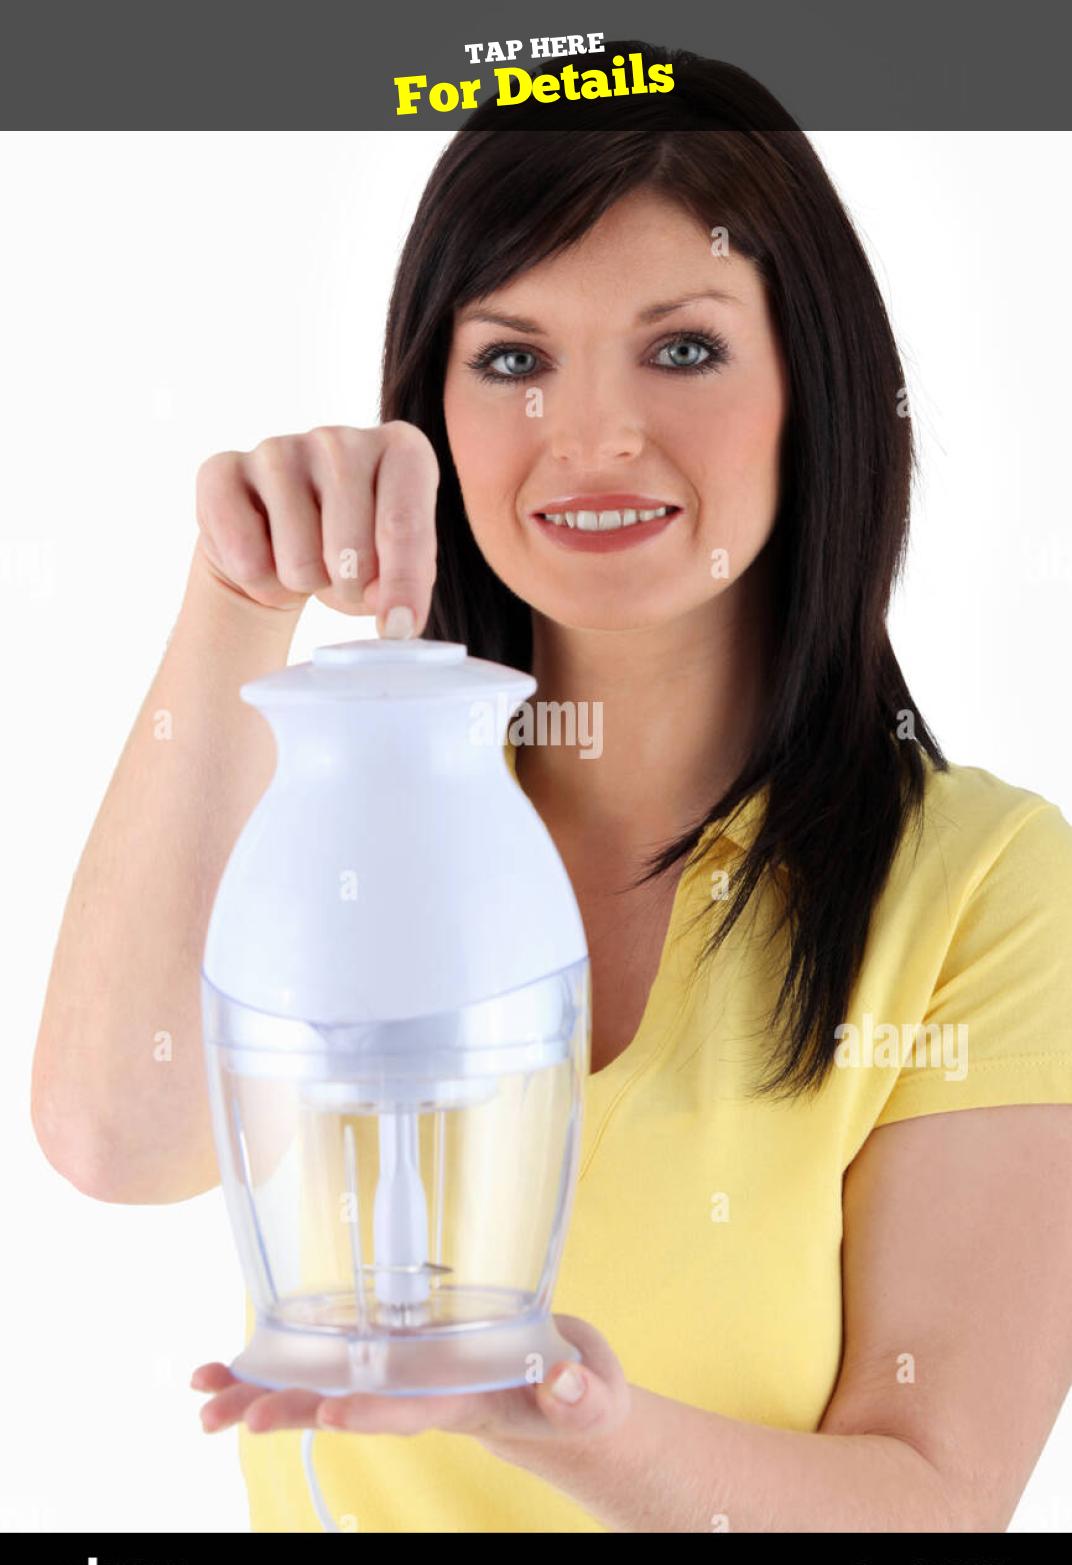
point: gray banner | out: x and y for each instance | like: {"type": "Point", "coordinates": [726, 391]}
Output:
{"type": "Point", "coordinates": [332, 64]}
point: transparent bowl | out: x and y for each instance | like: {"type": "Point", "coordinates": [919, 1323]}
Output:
{"type": "Point", "coordinates": [399, 1192]}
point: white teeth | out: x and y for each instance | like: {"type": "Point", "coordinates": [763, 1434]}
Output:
{"type": "Point", "coordinates": [602, 521]}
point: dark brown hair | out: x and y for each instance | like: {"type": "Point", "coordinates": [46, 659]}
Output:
{"type": "Point", "coordinates": [842, 777]}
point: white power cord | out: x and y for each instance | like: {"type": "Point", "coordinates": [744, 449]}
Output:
{"type": "Point", "coordinates": [319, 1503]}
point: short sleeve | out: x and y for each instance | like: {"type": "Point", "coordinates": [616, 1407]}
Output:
{"type": "Point", "coordinates": [998, 1027]}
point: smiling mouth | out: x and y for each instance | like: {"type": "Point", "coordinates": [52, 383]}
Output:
{"type": "Point", "coordinates": [605, 521]}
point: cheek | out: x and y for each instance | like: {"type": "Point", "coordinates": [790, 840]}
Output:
{"type": "Point", "coordinates": [462, 427]}
{"type": "Point", "coordinates": [738, 477]}
{"type": "Point", "coordinates": [489, 436]}
{"type": "Point", "coordinates": [740, 446]}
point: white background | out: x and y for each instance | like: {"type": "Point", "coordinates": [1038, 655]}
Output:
{"type": "Point", "coordinates": [167, 295]}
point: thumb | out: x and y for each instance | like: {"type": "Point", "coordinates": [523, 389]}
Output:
{"type": "Point", "coordinates": [591, 1395]}
{"type": "Point", "coordinates": [572, 1398]}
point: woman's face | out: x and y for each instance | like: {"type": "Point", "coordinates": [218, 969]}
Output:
{"type": "Point", "coordinates": [593, 399]}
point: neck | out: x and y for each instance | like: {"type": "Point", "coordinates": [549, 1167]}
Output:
{"type": "Point", "coordinates": [680, 703]}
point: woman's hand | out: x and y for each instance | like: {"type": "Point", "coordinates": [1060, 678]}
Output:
{"type": "Point", "coordinates": [504, 1421]}
{"type": "Point", "coordinates": [344, 515]}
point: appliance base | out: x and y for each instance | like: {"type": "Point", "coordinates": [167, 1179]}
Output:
{"type": "Point", "coordinates": [486, 1358]}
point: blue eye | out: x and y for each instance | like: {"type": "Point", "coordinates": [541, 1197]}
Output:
{"type": "Point", "coordinates": [484, 361]}
{"type": "Point", "coordinates": [688, 344]}
{"type": "Point", "coordinates": [714, 350]}
{"type": "Point", "coordinates": [515, 354]}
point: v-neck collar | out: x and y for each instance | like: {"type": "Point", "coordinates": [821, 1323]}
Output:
{"type": "Point", "coordinates": [604, 1090]}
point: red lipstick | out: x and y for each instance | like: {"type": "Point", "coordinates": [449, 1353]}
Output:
{"type": "Point", "coordinates": [582, 534]}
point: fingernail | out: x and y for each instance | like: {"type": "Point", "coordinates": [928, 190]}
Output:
{"type": "Point", "coordinates": [569, 1387]}
{"type": "Point", "coordinates": [399, 622]}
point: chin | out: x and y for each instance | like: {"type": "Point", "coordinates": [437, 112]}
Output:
{"type": "Point", "coordinates": [602, 611]}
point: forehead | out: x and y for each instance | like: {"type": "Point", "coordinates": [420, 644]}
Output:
{"type": "Point", "coordinates": [643, 251]}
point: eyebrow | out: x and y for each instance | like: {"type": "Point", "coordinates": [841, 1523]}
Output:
{"type": "Point", "coordinates": [653, 312]}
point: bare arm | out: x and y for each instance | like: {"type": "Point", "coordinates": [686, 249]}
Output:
{"type": "Point", "coordinates": [957, 1267]}
{"type": "Point", "coordinates": [119, 1097]}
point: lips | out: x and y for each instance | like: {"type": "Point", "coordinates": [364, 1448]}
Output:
{"type": "Point", "coordinates": [607, 529]}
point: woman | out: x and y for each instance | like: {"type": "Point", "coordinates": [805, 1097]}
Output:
{"type": "Point", "coordinates": [822, 1237]}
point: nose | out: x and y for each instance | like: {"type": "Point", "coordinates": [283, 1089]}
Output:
{"type": "Point", "coordinates": [588, 421]}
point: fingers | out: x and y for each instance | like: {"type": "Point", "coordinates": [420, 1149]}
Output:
{"type": "Point", "coordinates": [229, 1406]}
{"type": "Point", "coordinates": [262, 1410]}
{"type": "Point", "coordinates": [574, 1401]}
{"type": "Point", "coordinates": [344, 465]}
{"type": "Point", "coordinates": [235, 538]}
{"type": "Point", "coordinates": [596, 1352]}
{"type": "Point", "coordinates": [281, 473]}
{"type": "Point", "coordinates": [282, 1410]}
{"type": "Point", "coordinates": [364, 1413]}
{"type": "Point", "coordinates": [591, 1397]}
{"type": "Point", "coordinates": [347, 515]}
{"type": "Point", "coordinates": [407, 477]}
{"type": "Point", "coordinates": [212, 1377]}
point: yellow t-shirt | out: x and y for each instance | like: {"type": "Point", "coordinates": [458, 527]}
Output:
{"type": "Point", "coordinates": [706, 1228]}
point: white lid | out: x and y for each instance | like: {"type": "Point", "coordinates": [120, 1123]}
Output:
{"type": "Point", "coordinates": [388, 670]}
{"type": "Point", "coordinates": [387, 770]}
